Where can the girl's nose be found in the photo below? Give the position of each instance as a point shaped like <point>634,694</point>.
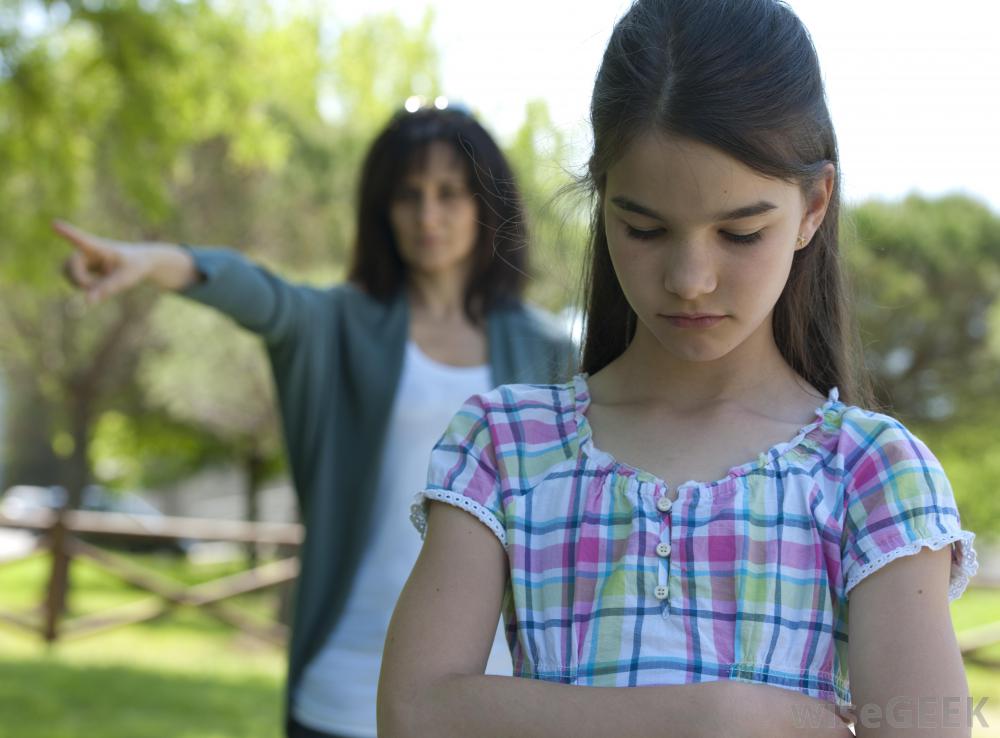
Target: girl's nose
<point>689,271</point>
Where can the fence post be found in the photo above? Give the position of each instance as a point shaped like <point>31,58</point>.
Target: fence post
<point>55,601</point>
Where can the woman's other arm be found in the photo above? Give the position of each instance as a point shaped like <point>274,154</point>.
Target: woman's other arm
<point>907,677</point>
<point>432,680</point>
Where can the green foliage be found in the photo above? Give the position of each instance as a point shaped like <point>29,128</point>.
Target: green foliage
<point>378,64</point>
<point>149,449</point>
<point>558,214</point>
<point>927,273</point>
<point>99,112</point>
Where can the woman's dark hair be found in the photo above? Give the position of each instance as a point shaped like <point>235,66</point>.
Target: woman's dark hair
<point>500,252</point>
<point>741,76</point>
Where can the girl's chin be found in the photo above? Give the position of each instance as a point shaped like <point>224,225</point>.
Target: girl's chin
<point>696,350</point>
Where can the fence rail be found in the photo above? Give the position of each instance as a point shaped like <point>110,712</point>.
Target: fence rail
<point>60,538</point>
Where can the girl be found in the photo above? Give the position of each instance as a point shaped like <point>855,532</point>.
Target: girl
<point>707,511</point>
<point>367,373</point>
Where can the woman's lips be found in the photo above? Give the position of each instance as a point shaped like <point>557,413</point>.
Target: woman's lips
<point>694,321</point>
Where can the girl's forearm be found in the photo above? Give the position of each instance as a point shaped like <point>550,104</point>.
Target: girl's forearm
<point>505,707</point>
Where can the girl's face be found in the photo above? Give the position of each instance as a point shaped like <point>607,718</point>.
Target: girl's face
<point>433,215</point>
<point>702,245</point>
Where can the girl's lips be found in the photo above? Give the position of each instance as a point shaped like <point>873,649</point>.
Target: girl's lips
<point>705,321</point>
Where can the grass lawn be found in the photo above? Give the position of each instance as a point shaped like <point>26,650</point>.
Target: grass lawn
<point>188,676</point>
<point>185,675</point>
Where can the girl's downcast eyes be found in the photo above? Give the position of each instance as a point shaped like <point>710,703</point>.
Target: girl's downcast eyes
<point>648,235</point>
<point>742,238</point>
<point>642,235</point>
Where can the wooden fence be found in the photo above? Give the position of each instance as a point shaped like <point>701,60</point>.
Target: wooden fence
<point>60,538</point>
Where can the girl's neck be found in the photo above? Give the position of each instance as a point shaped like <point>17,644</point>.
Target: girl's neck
<point>647,373</point>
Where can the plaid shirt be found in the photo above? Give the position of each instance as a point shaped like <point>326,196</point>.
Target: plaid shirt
<point>616,580</point>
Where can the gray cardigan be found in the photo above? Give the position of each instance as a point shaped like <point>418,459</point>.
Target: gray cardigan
<point>336,355</point>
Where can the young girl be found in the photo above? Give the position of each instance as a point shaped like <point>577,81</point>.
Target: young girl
<point>707,511</point>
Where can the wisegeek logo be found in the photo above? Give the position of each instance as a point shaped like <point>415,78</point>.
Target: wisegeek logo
<point>898,712</point>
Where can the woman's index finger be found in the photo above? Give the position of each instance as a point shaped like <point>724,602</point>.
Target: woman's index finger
<point>89,244</point>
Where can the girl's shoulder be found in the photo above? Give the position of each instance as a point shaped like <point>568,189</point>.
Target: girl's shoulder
<point>897,499</point>
<point>870,442</point>
<point>528,412</point>
<point>520,431</point>
<point>507,438</point>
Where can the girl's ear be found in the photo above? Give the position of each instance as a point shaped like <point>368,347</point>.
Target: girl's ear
<point>817,202</point>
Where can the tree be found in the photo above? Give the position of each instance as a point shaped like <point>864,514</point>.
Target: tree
<point>927,275</point>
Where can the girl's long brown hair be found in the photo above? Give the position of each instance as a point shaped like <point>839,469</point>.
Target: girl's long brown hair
<point>742,76</point>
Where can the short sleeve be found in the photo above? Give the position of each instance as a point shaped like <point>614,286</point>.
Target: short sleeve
<point>898,500</point>
<point>463,471</point>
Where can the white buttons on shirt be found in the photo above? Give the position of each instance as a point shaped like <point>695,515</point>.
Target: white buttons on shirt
<point>663,549</point>
<point>664,504</point>
<point>660,592</point>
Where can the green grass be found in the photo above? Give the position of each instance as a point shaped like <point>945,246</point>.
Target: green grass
<point>186,675</point>
<point>981,607</point>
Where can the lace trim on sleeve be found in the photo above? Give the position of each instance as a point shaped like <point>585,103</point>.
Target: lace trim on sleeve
<point>418,511</point>
<point>963,567</point>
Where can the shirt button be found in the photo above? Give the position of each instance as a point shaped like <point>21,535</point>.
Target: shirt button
<point>660,592</point>
<point>663,549</point>
<point>664,504</point>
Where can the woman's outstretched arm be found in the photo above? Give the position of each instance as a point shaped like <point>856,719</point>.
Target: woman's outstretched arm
<point>104,267</point>
<point>253,297</point>
<point>432,680</point>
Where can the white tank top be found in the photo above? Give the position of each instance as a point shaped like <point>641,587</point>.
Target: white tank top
<point>338,687</point>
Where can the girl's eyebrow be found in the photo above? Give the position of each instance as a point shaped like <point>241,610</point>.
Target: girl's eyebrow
<point>747,211</point>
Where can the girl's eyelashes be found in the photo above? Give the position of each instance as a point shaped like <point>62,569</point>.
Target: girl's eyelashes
<point>742,238</point>
<point>643,235</point>
<point>649,234</point>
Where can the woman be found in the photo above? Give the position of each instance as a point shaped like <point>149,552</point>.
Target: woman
<point>368,373</point>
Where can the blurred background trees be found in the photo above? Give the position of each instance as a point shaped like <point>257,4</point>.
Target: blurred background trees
<point>244,124</point>
<point>927,278</point>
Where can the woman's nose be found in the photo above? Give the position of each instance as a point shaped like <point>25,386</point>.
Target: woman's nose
<point>430,210</point>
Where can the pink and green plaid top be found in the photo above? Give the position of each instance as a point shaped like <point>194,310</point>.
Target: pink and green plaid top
<point>613,583</point>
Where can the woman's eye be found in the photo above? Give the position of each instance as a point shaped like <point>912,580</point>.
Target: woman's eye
<point>742,238</point>
<point>643,235</point>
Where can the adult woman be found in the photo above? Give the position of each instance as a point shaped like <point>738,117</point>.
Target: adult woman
<point>368,373</point>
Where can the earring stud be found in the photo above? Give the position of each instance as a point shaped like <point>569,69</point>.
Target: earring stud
<point>800,241</point>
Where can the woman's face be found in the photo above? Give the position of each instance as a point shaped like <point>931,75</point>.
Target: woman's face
<point>694,232</point>
<point>434,215</point>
